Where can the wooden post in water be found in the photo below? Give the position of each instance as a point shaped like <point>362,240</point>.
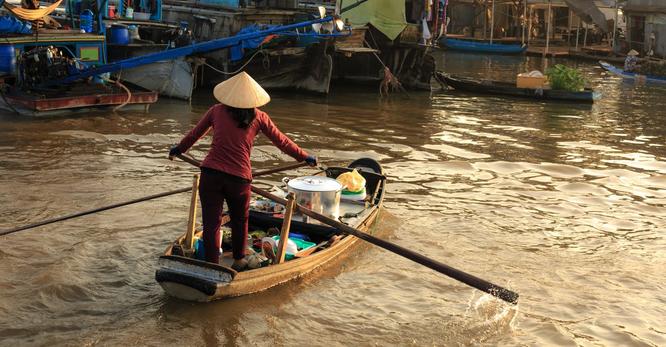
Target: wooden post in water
<point>548,26</point>
<point>569,26</point>
<point>286,225</point>
<point>435,21</point>
<point>492,22</point>
<point>524,22</point>
<point>613,44</point>
<point>585,38</point>
<point>485,18</point>
<point>529,24</point>
<point>577,32</point>
<point>191,221</point>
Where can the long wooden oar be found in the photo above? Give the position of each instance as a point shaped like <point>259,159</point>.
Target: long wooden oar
<point>197,163</point>
<point>471,280</point>
<point>145,198</point>
<point>95,210</point>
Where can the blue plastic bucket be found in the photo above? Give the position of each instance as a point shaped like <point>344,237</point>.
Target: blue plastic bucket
<point>119,35</point>
<point>7,59</point>
<point>86,18</point>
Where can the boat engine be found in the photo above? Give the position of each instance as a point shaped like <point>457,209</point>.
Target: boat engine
<point>42,64</point>
<point>179,37</point>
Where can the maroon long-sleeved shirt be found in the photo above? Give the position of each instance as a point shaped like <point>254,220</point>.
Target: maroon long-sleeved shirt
<point>231,146</point>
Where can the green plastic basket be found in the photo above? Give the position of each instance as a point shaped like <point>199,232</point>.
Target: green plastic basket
<point>301,245</point>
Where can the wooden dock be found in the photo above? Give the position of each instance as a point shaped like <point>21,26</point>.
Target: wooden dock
<point>553,51</point>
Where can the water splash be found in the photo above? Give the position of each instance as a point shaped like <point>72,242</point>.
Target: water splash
<point>493,311</point>
<point>486,319</point>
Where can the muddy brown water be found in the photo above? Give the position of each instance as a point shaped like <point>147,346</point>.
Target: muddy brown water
<point>560,202</point>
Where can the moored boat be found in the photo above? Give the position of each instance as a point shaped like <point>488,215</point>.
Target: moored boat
<point>482,47</point>
<point>510,89</point>
<point>185,277</point>
<point>79,98</point>
<point>630,75</point>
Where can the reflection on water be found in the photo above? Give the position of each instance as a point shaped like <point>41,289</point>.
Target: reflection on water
<point>563,203</point>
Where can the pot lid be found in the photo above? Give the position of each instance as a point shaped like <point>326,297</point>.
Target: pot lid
<point>315,184</point>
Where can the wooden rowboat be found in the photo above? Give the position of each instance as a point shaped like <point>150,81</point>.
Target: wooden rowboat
<point>510,89</point>
<point>187,278</point>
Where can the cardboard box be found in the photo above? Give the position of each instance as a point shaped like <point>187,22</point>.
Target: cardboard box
<point>532,82</point>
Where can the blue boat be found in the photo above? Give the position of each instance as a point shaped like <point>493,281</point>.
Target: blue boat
<point>482,47</point>
<point>631,75</point>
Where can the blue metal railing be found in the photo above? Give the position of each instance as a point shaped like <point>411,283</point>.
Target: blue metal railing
<point>182,51</point>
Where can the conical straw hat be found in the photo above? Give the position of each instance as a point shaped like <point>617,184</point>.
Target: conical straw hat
<point>632,52</point>
<point>241,91</point>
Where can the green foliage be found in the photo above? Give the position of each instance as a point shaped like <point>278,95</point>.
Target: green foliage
<point>565,78</point>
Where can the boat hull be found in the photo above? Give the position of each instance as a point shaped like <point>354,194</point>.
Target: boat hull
<point>482,47</point>
<point>36,106</point>
<point>171,78</point>
<point>508,89</point>
<point>630,75</point>
<point>195,280</point>
<point>194,288</point>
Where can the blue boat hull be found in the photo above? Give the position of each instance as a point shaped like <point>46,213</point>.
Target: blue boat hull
<point>630,75</point>
<point>482,47</point>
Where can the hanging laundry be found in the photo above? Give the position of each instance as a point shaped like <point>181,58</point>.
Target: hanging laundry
<point>426,32</point>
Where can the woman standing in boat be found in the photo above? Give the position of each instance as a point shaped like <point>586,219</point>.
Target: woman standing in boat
<point>226,171</point>
<point>631,62</point>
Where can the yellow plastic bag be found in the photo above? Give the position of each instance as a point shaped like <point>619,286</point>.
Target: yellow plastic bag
<point>352,181</point>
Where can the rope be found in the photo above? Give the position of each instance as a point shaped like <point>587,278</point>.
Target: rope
<point>389,78</point>
<point>129,96</point>
<point>239,69</point>
<point>129,93</point>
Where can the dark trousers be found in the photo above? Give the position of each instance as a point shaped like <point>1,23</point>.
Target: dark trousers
<point>215,187</point>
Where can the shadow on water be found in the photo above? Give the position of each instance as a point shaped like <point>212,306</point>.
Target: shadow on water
<point>224,322</point>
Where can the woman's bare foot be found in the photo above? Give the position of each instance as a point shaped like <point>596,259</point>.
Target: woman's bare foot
<point>239,264</point>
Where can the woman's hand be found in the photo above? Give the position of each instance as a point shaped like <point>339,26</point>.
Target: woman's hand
<point>311,160</point>
<point>174,151</point>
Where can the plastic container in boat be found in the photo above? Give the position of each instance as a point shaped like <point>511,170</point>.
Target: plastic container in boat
<point>112,11</point>
<point>353,196</point>
<point>133,32</point>
<point>86,18</point>
<point>7,60</point>
<point>293,245</point>
<point>119,35</point>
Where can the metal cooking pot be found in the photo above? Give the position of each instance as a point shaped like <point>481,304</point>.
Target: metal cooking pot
<point>318,193</point>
